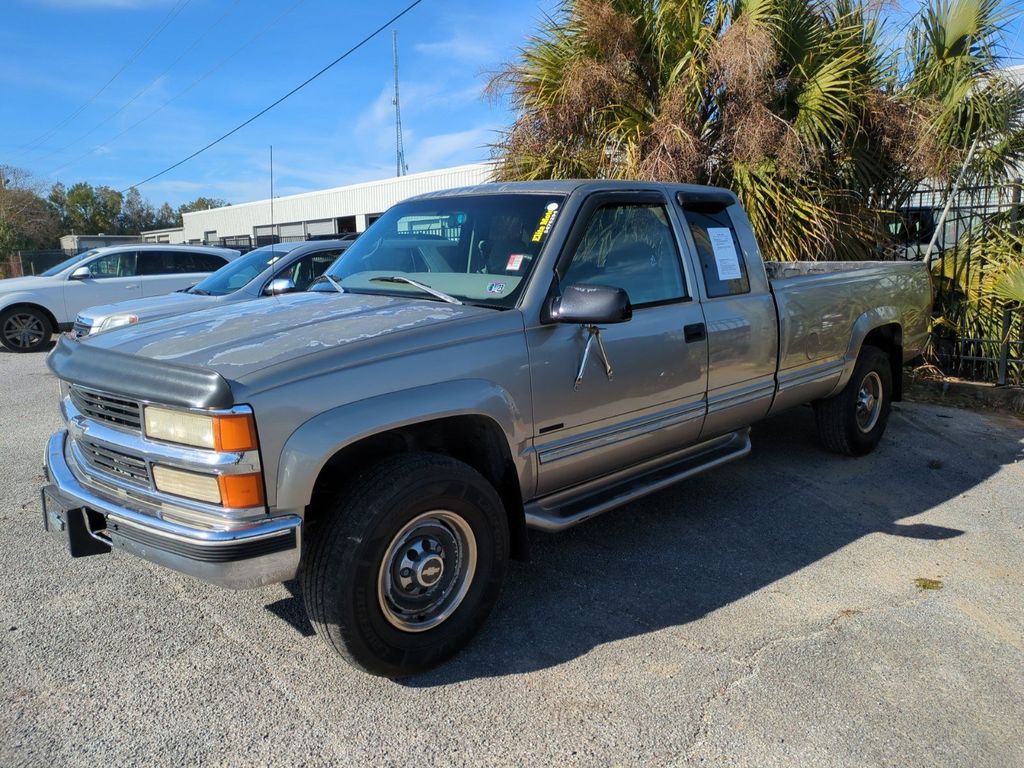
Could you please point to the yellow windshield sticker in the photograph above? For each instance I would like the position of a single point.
(545, 222)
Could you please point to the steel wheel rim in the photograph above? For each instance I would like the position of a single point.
(24, 330)
(869, 402)
(426, 571)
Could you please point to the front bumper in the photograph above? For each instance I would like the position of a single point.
(244, 556)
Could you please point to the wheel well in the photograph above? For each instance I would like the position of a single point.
(29, 305)
(476, 440)
(889, 339)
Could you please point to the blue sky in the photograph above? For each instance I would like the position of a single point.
(218, 61)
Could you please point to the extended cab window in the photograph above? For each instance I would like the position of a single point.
(718, 250)
(630, 246)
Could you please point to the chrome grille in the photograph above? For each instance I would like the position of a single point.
(114, 463)
(109, 408)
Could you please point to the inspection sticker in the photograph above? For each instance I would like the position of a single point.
(515, 261)
(726, 259)
(495, 287)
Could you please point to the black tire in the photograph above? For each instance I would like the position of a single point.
(348, 590)
(25, 329)
(853, 422)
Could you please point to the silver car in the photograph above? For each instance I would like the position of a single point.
(267, 271)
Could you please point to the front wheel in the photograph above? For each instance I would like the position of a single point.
(408, 564)
(853, 421)
(25, 329)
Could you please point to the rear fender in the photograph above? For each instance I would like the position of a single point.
(867, 322)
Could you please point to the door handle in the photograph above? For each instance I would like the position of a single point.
(694, 332)
(129, 287)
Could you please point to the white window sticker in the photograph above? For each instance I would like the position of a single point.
(726, 259)
(515, 261)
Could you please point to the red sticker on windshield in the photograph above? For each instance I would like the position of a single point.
(515, 261)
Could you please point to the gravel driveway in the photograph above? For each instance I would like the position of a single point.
(771, 612)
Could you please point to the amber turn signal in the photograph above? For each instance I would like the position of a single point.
(240, 491)
(236, 432)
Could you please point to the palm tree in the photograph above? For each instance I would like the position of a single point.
(798, 106)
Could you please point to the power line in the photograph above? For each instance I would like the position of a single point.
(209, 28)
(171, 16)
(263, 30)
(290, 93)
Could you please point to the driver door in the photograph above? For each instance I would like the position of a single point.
(653, 402)
(112, 278)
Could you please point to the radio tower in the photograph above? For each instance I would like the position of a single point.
(401, 167)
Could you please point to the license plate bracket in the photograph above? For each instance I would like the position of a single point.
(70, 523)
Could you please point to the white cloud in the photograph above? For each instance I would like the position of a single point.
(459, 47)
(454, 148)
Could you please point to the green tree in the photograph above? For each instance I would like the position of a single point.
(58, 200)
(92, 210)
(166, 217)
(796, 105)
(136, 215)
(199, 204)
(26, 218)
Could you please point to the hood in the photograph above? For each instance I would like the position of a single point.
(239, 339)
(12, 284)
(153, 308)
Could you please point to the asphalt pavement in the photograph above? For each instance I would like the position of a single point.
(793, 608)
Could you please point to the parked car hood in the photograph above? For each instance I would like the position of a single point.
(241, 338)
(154, 307)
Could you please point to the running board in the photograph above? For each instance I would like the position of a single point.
(552, 514)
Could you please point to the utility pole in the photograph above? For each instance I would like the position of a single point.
(401, 167)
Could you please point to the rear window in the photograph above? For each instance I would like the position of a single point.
(718, 251)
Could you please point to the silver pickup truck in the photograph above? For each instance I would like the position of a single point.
(480, 362)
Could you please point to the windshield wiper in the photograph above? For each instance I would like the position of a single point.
(327, 278)
(416, 284)
(197, 291)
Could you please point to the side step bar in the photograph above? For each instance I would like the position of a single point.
(565, 509)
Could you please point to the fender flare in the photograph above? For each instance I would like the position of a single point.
(26, 297)
(312, 444)
(862, 326)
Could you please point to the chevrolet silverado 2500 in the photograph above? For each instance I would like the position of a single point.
(480, 362)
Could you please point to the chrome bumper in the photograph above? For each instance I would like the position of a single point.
(241, 557)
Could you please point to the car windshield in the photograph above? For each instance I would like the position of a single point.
(56, 270)
(478, 249)
(241, 271)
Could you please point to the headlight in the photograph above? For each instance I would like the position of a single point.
(235, 491)
(220, 432)
(116, 321)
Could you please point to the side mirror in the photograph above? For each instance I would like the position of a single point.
(590, 305)
(82, 273)
(279, 286)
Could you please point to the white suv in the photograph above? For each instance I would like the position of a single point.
(33, 308)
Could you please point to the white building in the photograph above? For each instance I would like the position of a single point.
(351, 208)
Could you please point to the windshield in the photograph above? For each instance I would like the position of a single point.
(56, 270)
(241, 271)
(478, 248)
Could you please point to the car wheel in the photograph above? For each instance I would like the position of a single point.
(25, 329)
(407, 564)
(853, 421)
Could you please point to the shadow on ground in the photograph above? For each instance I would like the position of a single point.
(677, 555)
